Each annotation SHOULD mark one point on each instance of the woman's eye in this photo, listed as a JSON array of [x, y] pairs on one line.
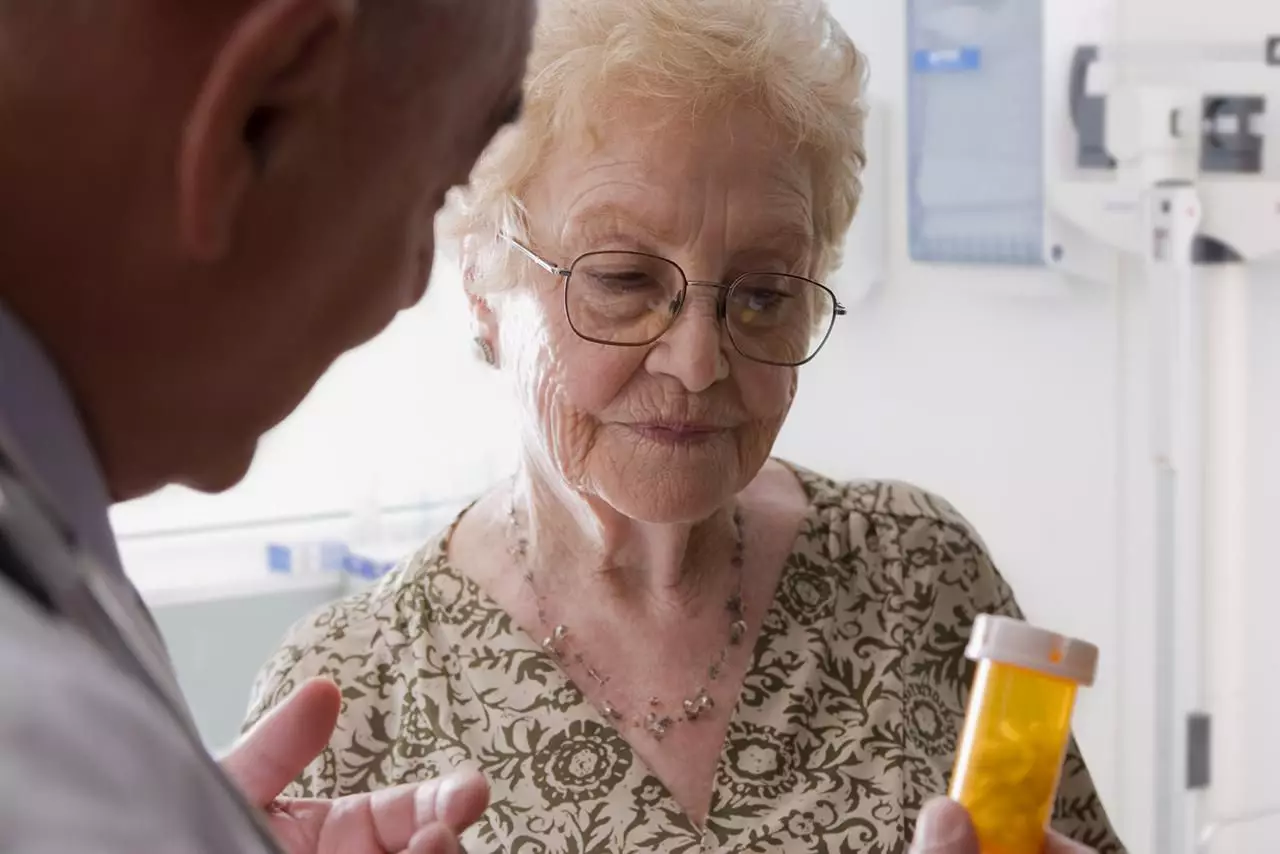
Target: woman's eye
[[764, 300], [622, 280]]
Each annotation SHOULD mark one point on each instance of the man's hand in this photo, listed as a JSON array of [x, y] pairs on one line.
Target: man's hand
[[421, 818], [944, 828]]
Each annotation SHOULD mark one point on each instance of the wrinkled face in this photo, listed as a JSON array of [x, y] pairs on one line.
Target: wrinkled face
[[669, 431]]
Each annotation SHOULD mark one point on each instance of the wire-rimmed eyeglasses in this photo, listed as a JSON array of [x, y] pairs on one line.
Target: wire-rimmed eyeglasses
[[630, 299]]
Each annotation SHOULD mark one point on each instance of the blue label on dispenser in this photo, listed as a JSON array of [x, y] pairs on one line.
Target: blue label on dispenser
[[947, 60]]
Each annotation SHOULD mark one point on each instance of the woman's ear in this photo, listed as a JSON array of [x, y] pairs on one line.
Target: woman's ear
[[280, 66]]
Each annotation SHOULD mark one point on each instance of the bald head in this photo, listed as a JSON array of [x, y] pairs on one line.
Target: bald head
[[202, 204]]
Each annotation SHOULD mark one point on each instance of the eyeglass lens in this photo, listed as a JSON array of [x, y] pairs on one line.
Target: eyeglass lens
[[630, 299]]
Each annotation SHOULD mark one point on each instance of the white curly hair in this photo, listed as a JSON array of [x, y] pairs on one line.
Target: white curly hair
[[788, 59]]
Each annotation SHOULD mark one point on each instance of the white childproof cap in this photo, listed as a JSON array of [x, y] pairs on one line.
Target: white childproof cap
[[1010, 641]]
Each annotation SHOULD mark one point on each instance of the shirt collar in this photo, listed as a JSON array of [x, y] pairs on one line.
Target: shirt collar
[[41, 427]]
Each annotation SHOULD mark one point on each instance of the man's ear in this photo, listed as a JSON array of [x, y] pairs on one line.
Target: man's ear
[[282, 62]]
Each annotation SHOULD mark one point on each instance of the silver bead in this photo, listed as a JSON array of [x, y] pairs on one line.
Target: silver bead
[[657, 726], [737, 631]]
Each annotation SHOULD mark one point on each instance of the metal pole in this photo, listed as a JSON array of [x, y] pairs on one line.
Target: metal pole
[[1226, 446], [1175, 330]]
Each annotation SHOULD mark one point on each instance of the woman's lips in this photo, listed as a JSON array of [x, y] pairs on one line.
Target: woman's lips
[[678, 434]]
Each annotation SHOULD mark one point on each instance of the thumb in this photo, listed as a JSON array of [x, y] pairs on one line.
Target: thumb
[[272, 754], [943, 827]]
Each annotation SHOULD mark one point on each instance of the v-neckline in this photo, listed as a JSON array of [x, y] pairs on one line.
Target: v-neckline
[[520, 639]]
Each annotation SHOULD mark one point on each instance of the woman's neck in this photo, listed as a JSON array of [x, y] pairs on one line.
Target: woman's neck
[[578, 541]]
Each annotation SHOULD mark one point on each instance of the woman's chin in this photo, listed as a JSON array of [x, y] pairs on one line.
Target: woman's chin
[[670, 496], [670, 482]]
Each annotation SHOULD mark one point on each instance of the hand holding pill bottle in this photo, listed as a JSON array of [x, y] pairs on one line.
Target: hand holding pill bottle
[[1017, 729]]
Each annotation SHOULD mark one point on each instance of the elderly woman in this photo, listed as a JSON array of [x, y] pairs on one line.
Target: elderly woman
[[655, 637]]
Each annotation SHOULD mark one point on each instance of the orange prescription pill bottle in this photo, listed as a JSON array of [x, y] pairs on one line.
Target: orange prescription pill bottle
[[1017, 729]]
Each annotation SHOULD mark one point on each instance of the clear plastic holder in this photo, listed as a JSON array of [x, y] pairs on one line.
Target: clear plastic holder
[[975, 135]]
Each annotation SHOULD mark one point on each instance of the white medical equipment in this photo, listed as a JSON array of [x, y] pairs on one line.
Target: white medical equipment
[[1177, 162], [1034, 138], [989, 130]]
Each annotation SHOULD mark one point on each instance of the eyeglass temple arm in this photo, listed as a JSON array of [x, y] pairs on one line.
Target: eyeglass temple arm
[[840, 310], [528, 253]]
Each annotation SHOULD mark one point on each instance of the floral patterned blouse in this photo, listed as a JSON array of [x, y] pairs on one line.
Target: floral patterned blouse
[[847, 721]]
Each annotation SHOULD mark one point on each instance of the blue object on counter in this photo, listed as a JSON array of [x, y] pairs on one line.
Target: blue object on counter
[[279, 558], [329, 555]]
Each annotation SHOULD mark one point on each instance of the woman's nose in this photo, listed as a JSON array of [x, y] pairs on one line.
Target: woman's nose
[[693, 349]]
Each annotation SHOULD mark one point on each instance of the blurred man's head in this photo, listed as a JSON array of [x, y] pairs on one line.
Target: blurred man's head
[[202, 204]]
